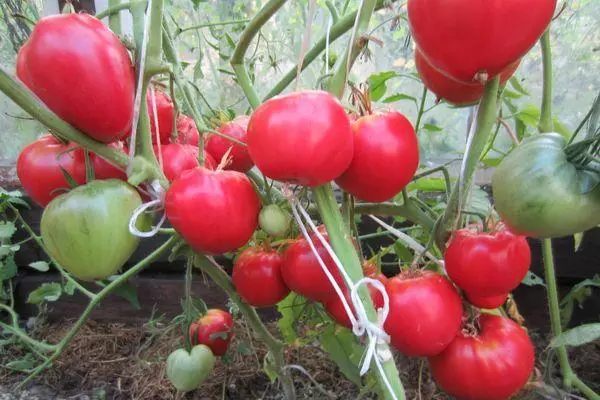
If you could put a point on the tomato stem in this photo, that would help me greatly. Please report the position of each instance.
(546, 124)
(113, 9)
(421, 109)
(114, 19)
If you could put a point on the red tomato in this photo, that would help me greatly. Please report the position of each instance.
(491, 365)
(425, 313)
(177, 158)
(82, 72)
(217, 146)
(450, 90)
(103, 169)
(39, 168)
(214, 211)
(370, 270)
(214, 329)
(302, 137)
(386, 157)
(257, 277)
(335, 308)
(165, 110)
(485, 264)
(302, 272)
(187, 133)
(467, 37)
(488, 302)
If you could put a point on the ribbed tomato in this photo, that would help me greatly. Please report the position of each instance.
(214, 211)
(425, 313)
(493, 364)
(217, 146)
(82, 72)
(386, 157)
(257, 277)
(302, 137)
(214, 329)
(187, 133)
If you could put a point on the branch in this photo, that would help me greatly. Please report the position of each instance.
(546, 124)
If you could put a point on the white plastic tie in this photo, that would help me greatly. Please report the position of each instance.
(157, 193)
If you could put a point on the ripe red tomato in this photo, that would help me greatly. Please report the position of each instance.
(450, 90)
(335, 307)
(489, 302)
(187, 133)
(386, 157)
(465, 37)
(485, 264)
(491, 365)
(164, 110)
(214, 329)
(302, 137)
(82, 72)
(214, 211)
(103, 169)
(425, 313)
(217, 146)
(39, 168)
(370, 271)
(257, 277)
(177, 158)
(303, 274)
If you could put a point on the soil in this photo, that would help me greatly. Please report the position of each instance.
(117, 361)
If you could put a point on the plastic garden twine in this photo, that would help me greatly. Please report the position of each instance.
(360, 322)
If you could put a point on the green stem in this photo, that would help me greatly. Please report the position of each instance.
(409, 211)
(34, 107)
(546, 124)
(276, 347)
(443, 170)
(209, 24)
(94, 302)
(14, 328)
(335, 16)
(421, 109)
(114, 19)
(237, 59)
(113, 10)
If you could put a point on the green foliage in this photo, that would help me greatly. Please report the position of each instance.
(576, 296)
(577, 336)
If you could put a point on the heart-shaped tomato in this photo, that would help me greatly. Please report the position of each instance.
(187, 371)
(467, 39)
(214, 329)
(217, 146)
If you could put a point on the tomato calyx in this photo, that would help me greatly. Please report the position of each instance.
(359, 96)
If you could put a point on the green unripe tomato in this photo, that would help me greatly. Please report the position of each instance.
(187, 371)
(87, 229)
(275, 221)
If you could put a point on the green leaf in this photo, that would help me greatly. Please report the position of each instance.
(402, 252)
(69, 288)
(8, 268)
(577, 336)
(432, 128)
(7, 229)
(532, 279)
(46, 292)
(24, 364)
(127, 291)
(428, 185)
(514, 82)
(558, 127)
(290, 309)
(511, 94)
(198, 73)
(577, 295)
(343, 348)
(400, 96)
(492, 161)
(70, 180)
(529, 115)
(377, 84)
(269, 367)
(42, 266)
(244, 349)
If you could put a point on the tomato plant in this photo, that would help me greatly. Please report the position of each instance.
(214, 329)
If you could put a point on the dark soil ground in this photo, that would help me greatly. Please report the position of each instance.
(117, 361)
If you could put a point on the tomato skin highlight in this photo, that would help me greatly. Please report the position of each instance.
(493, 365)
(39, 168)
(484, 264)
(465, 37)
(386, 157)
(214, 329)
(214, 211)
(187, 133)
(425, 313)
(72, 58)
(164, 111)
(217, 146)
(257, 277)
(302, 137)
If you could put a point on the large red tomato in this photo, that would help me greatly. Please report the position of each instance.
(491, 365)
(103, 169)
(214, 211)
(214, 329)
(335, 308)
(302, 137)
(464, 38)
(425, 313)
(489, 302)
(450, 90)
(164, 111)
(82, 72)
(217, 146)
(486, 264)
(386, 157)
(39, 168)
(303, 274)
(187, 133)
(257, 277)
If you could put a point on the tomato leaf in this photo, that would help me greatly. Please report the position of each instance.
(432, 128)
(577, 336)
(532, 279)
(529, 115)
(8, 268)
(290, 309)
(7, 229)
(46, 292)
(400, 96)
(69, 288)
(343, 348)
(70, 180)
(269, 367)
(377, 84)
(428, 185)
(577, 295)
(41, 266)
(127, 291)
(514, 82)
(24, 364)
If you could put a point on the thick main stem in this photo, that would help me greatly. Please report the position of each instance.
(546, 124)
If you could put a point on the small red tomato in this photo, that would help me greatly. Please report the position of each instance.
(164, 111)
(187, 133)
(217, 146)
(484, 264)
(257, 277)
(82, 72)
(214, 211)
(303, 274)
(491, 365)
(302, 137)
(450, 90)
(214, 329)
(370, 271)
(425, 313)
(464, 38)
(103, 169)
(386, 157)
(335, 308)
(39, 168)
(488, 302)
(177, 158)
